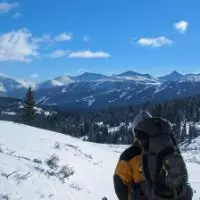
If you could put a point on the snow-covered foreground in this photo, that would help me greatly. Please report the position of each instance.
(77, 170)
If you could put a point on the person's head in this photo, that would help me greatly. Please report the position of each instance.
(140, 136)
(152, 133)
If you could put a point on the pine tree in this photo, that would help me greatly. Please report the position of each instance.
(177, 129)
(189, 134)
(28, 111)
(86, 128)
(193, 131)
(184, 132)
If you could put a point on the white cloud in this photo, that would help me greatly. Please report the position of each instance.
(18, 46)
(181, 26)
(87, 38)
(46, 38)
(6, 7)
(88, 54)
(50, 38)
(58, 53)
(35, 75)
(63, 37)
(17, 15)
(155, 42)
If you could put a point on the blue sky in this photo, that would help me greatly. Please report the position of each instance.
(43, 39)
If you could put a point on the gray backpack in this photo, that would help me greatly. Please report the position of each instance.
(163, 166)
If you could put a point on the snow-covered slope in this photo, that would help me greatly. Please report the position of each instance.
(191, 78)
(9, 86)
(137, 77)
(57, 82)
(26, 172)
(191, 154)
(12, 83)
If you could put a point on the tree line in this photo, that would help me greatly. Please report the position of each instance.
(96, 126)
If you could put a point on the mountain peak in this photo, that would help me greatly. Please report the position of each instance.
(9, 84)
(175, 73)
(88, 76)
(62, 80)
(136, 75)
(130, 73)
(173, 76)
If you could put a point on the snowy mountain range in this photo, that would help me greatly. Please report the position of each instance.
(94, 91)
(40, 164)
(13, 87)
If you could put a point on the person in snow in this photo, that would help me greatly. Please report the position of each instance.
(152, 168)
(128, 174)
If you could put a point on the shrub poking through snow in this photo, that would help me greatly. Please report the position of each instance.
(65, 172)
(52, 162)
(5, 197)
(1, 150)
(37, 161)
(57, 145)
(7, 175)
(19, 177)
(61, 172)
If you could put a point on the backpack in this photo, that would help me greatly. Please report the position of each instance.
(163, 166)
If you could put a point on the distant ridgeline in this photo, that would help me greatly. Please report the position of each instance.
(111, 125)
(92, 92)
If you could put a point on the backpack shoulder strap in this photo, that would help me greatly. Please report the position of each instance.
(160, 159)
(146, 169)
(165, 152)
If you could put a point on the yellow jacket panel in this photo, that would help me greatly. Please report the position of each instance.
(128, 172)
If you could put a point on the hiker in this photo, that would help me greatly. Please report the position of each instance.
(128, 173)
(163, 172)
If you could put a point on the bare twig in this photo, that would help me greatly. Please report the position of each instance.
(7, 175)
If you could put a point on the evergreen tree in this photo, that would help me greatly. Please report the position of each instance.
(86, 128)
(177, 129)
(28, 115)
(193, 131)
(189, 134)
(184, 132)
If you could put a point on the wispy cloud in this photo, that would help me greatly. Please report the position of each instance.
(63, 37)
(87, 38)
(181, 26)
(89, 54)
(17, 15)
(58, 53)
(155, 42)
(35, 75)
(18, 45)
(46, 38)
(6, 7)
(51, 38)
